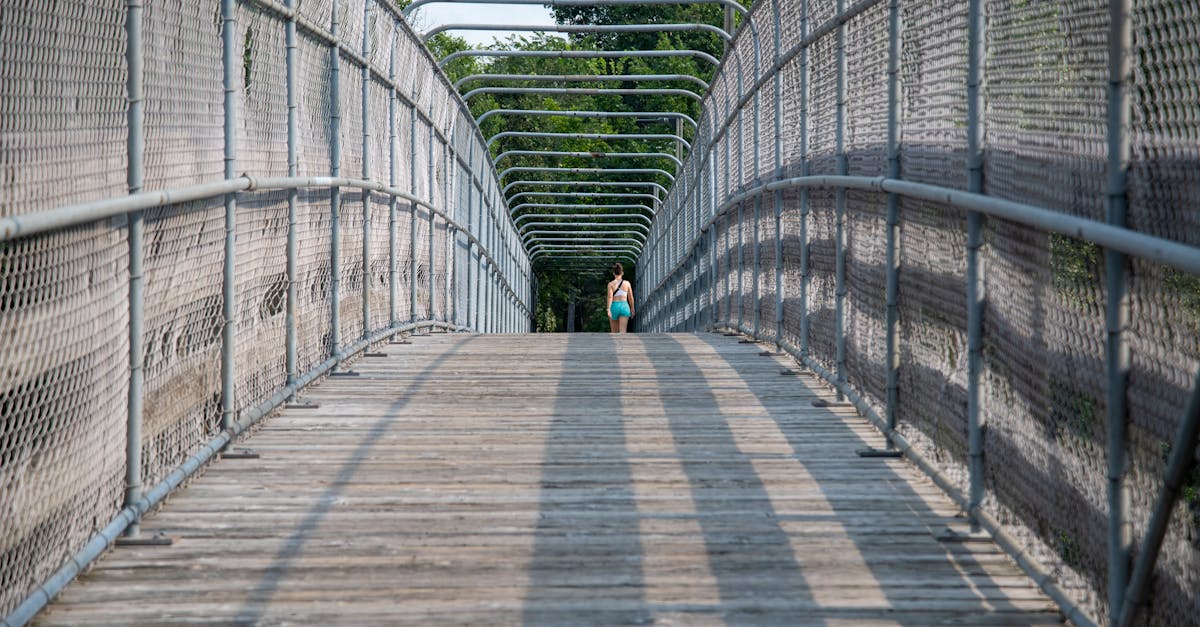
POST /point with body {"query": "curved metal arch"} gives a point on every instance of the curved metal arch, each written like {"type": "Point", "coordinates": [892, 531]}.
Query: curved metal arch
{"type": "Point", "coordinates": [582, 54]}
{"type": "Point", "coordinates": [542, 205]}
{"type": "Point", "coordinates": [601, 136]}
{"type": "Point", "coordinates": [624, 225]}
{"type": "Point", "coordinates": [572, 78]}
{"type": "Point", "coordinates": [584, 261]}
{"type": "Point", "coordinates": [530, 168]}
{"type": "Point", "coordinates": [543, 249]}
{"type": "Point", "coordinates": [584, 91]}
{"type": "Point", "coordinates": [588, 114]}
{"type": "Point", "coordinates": [581, 28]}
{"type": "Point", "coordinates": [650, 184]}
{"type": "Point", "coordinates": [577, 3]}
{"type": "Point", "coordinates": [597, 155]}
{"type": "Point", "coordinates": [570, 236]}
{"type": "Point", "coordinates": [580, 216]}
{"type": "Point", "coordinates": [585, 195]}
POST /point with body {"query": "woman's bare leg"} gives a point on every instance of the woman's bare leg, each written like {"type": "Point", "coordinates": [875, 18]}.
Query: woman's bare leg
{"type": "Point", "coordinates": [623, 323]}
{"type": "Point", "coordinates": [612, 324]}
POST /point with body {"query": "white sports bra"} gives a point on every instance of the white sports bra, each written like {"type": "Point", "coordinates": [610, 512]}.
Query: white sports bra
{"type": "Point", "coordinates": [619, 291]}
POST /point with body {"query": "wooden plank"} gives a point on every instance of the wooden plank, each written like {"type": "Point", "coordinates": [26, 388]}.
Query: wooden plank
{"type": "Point", "coordinates": [559, 479]}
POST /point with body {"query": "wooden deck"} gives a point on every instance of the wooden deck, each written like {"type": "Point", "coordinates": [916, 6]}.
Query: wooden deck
{"type": "Point", "coordinates": [555, 480]}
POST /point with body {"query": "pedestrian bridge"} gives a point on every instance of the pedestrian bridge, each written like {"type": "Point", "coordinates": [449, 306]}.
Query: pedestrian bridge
{"type": "Point", "coordinates": [918, 319]}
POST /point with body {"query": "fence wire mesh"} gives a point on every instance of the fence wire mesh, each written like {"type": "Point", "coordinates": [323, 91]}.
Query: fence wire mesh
{"type": "Point", "coordinates": [65, 312]}
{"type": "Point", "coordinates": [1044, 384]}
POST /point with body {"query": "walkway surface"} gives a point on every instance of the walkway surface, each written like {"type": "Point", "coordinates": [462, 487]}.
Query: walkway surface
{"type": "Point", "coordinates": [555, 480]}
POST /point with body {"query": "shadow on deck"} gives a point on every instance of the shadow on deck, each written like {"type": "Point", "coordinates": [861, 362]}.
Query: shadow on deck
{"type": "Point", "coordinates": [560, 479]}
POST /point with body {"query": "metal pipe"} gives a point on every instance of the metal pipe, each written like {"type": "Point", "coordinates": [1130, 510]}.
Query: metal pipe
{"type": "Point", "coordinates": [366, 173]}
{"type": "Point", "coordinates": [805, 274]}
{"type": "Point", "coordinates": [595, 154]}
{"type": "Point", "coordinates": [230, 60]}
{"type": "Point", "coordinates": [580, 28]}
{"type": "Point", "coordinates": [1117, 358]}
{"type": "Point", "coordinates": [892, 258]}
{"type": "Point", "coordinates": [335, 194]}
{"type": "Point", "coordinates": [601, 136]}
{"type": "Point", "coordinates": [432, 229]}
{"type": "Point", "coordinates": [393, 180]}
{"type": "Point", "coordinates": [581, 54]}
{"type": "Point", "coordinates": [536, 205]}
{"type": "Point", "coordinates": [506, 171]}
{"type": "Point", "coordinates": [648, 184]}
{"type": "Point", "coordinates": [642, 228]}
{"type": "Point", "coordinates": [468, 289]}
{"type": "Point", "coordinates": [587, 114]}
{"type": "Point", "coordinates": [585, 91]}
{"type": "Point", "coordinates": [730, 5]}
{"type": "Point", "coordinates": [135, 147]}
{"type": "Point", "coordinates": [582, 195]}
{"type": "Point", "coordinates": [590, 236]}
{"type": "Point", "coordinates": [839, 316]}
{"type": "Point", "coordinates": [778, 109]}
{"type": "Point", "coordinates": [1179, 466]}
{"type": "Point", "coordinates": [975, 285]}
{"type": "Point", "coordinates": [291, 341]}
{"type": "Point", "coordinates": [571, 78]}
{"type": "Point", "coordinates": [451, 312]}
{"type": "Point", "coordinates": [577, 216]}
{"type": "Point", "coordinates": [412, 217]}
{"type": "Point", "coordinates": [756, 261]}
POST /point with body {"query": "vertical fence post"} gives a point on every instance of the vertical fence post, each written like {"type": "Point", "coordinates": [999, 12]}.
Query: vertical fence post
{"type": "Point", "coordinates": [892, 260]}
{"type": "Point", "coordinates": [292, 366]}
{"type": "Point", "coordinates": [741, 181]}
{"type": "Point", "coordinates": [839, 316]}
{"type": "Point", "coordinates": [412, 215]}
{"type": "Point", "coordinates": [480, 266]}
{"type": "Point", "coordinates": [366, 170]}
{"type": "Point", "coordinates": [231, 64]}
{"type": "Point", "coordinates": [451, 177]}
{"type": "Point", "coordinates": [778, 175]}
{"type": "Point", "coordinates": [975, 286]}
{"type": "Point", "coordinates": [727, 318]}
{"type": "Point", "coordinates": [135, 177]}
{"type": "Point", "coordinates": [757, 164]}
{"type": "Point", "coordinates": [335, 193]}
{"type": "Point", "coordinates": [393, 287]}
{"type": "Point", "coordinates": [468, 301]}
{"type": "Point", "coordinates": [805, 279]}
{"type": "Point", "coordinates": [432, 224]}
{"type": "Point", "coordinates": [711, 234]}
{"type": "Point", "coordinates": [740, 258]}
{"type": "Point", "coordinates": [1117, 309]}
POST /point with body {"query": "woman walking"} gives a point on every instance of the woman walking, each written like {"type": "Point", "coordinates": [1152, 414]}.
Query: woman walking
{"type": "Point", "coordinates": [620, 300]}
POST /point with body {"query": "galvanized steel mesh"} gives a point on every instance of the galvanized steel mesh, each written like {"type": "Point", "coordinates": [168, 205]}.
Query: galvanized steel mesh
{"type": "Point", "coordinates": [1043, 387]}
{"type": "Point", "coordinates": [64, 294]}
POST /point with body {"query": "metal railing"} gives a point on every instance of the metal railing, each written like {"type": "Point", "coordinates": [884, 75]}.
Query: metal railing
{"type": "Point", "coordinates": [462, 267]}
{"type": "Point", "coordinates": [693, 272]}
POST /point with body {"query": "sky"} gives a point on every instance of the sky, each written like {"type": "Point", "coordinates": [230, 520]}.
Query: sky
{"type": "Point", "coordinates": [450, 13]}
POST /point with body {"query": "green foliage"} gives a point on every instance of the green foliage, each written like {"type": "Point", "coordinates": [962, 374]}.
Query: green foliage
{"type": "Point", "coordinates": [558, 288]}
{"type": "Point", "coordinates": [1074, 264]}
{"type": "Point", "coordinates": [1186, 287]}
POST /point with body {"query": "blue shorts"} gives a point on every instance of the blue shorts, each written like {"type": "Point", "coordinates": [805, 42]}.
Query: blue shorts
{"type": "Point", "coordinates": [620, 309]}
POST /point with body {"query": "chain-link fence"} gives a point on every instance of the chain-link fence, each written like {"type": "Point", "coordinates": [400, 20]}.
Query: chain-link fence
{"type": "Point", "coordinates": [315, 141]}
{"type": "Point", "coordinates": [912, 198]}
